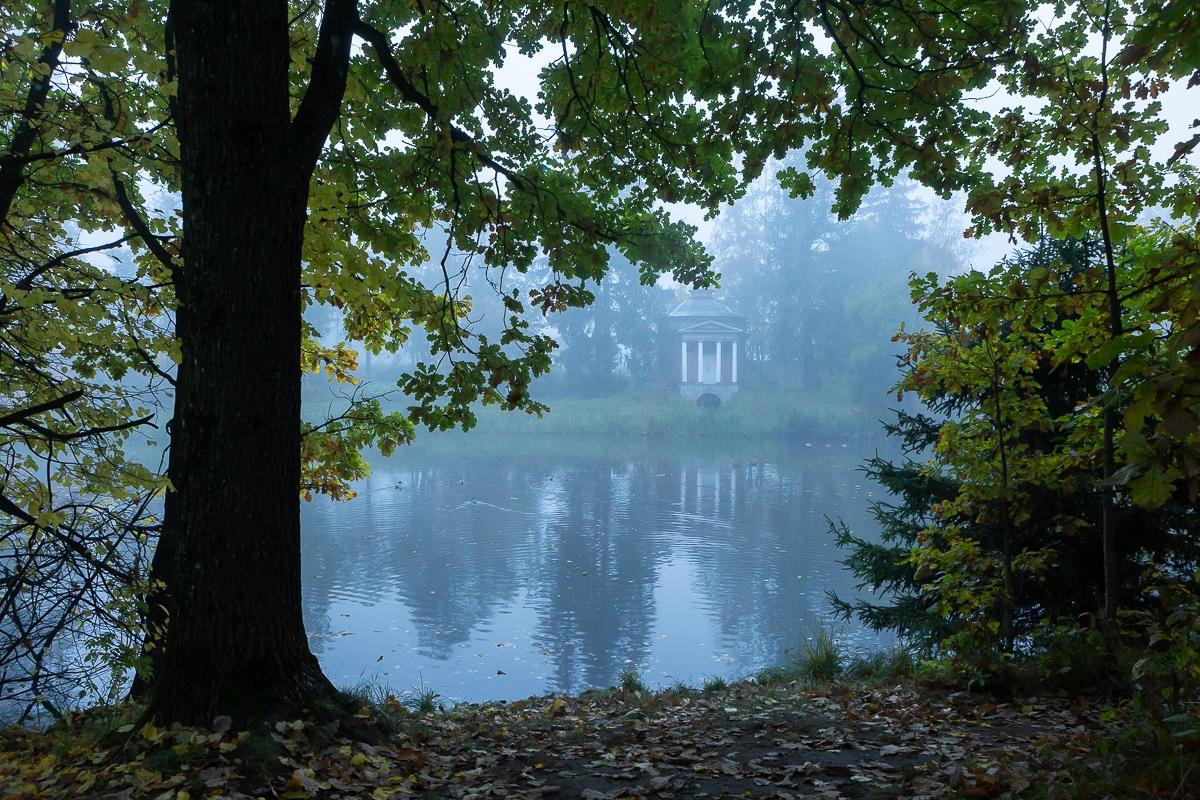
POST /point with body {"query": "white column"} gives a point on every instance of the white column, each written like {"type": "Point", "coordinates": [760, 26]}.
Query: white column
{"type": "Point", "coordinates": [734, 361]}
{"type": "Point", "coordinates": [700, 362]}
{"type": "Point", "coordinates": [719, 361]}
{"type": "Point", "coordinates": [734, 477]}
{"type": "Point", "coordinates": [683, 360]}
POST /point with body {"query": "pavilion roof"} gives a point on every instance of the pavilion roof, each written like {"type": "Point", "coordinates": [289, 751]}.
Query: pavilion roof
{"type": "Point", "coordinates": [702, 304]}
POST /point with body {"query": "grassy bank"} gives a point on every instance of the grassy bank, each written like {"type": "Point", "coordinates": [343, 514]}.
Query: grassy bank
{"type": "Point", "coordinates": [827, 414]}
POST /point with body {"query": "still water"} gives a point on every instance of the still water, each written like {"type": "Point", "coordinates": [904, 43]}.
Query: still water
{"type": "Point", "coordinates": [490, 567]}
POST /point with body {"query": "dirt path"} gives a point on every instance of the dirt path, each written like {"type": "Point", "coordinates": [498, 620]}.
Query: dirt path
{"type": "Point", "coordinates": [759, 743]}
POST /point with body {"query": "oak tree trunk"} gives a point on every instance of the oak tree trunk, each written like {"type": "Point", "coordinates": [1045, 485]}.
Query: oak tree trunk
{"type": "Point", "coordinates": [235, 641]}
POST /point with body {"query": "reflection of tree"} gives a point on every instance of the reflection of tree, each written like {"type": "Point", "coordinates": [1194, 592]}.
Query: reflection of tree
{"type": "Point", "coordinates": [596, 571]}
{"type": "Point", "coordinates": [446, 556]}
{"type": "Point", "coordinates": [764, 605]}
{"type": "Point", "coordinates": [581, 538]}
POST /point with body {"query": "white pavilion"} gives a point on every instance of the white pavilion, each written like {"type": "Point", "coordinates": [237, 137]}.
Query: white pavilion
{"type": "Point", "coordinates": [709, 335]}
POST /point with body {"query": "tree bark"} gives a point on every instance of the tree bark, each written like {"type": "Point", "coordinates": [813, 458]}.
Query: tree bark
{"type": "Point", "coordinates": [235, 642]}
{"type": "Point", "coordinates": [1108, 532]}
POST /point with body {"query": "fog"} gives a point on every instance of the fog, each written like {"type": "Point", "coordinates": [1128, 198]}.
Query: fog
{"type": "Point", "coordinates": [821, 299]}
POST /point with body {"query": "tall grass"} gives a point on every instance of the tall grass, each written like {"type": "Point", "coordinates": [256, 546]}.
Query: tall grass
{"type": "Point", "coordinates": [823, 658]}
{"type": "Point", "coordinates": [393, 706]}
{"type": "Point", "coordinates": [631, 682]}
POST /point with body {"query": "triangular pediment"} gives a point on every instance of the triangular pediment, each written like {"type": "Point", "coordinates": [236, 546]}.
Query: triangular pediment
{"type": "Point", "coordinates": [711, 326]}
{"type": "Point", "coordinates": [701, 304]}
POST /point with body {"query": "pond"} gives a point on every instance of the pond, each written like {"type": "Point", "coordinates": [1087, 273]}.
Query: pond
{"type": "Point", "coordinates": [495, 567]}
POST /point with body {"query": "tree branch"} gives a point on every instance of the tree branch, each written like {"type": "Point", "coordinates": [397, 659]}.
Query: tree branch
{"type": "Point", "coordinates": [152, 241]}
{"type": "Point", "coordinates": [379, 41]}
{"type": "Point", "coordinates": [327, 83]}
{"type": "Point", "coordinates": [59, 436]}
{"type": "Point", "coordinates": [50, 405]}
{"type": "Point", "coordinates": [26, 282]}
{"type": "Point", "coordinates": [13, 162]}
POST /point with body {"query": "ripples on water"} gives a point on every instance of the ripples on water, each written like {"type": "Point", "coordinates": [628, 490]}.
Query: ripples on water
{"type": "Point", "coordinates": [486, 567]}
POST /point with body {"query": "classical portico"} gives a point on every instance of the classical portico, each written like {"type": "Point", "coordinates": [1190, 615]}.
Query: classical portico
{"type": "Point", "coordinates": [709, 337]}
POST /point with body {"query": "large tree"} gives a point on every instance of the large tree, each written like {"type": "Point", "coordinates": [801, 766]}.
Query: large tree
{"type": "Point", "coordinates": [990, 538]}
{"type": "Point", "coordinates": [234, 639]}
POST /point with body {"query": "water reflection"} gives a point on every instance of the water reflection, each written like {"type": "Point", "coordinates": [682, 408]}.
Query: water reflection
{"type": "Point", "coordinates": [500, 568]}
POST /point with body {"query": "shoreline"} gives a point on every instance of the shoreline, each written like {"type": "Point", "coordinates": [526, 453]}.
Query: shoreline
{"type": "Point", "coordinates": [779, 736]}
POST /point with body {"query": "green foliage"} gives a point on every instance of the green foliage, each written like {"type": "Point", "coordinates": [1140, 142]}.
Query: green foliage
{"type": "Point", "coordinates": [1064, 428]}
{"type": "Point", "coordinates": [418, 185]}
{"type": "Point", "coordinates": [392, 708]}
{"type": "Point", "coordinates": [822, 656]}
{"type": "Point", "coordinates": [1167, 678]}
{"type": "Point", "coordinates": [994, 535]}
{"type": "Point", "coordinates": [424, 700]}
{"type": "Point", "coordinates": [894, 664]}
{"type": "Point", "coordinates": [883, 565]}
{"type": "Point", "coordinates": [1077, 656]}
{"type": "Point", "coordinates": [823, 659]}
{"type": "Point", "coordinates": [678, 690]}
{"type": "Point", "coordinates": [778, 674]}
{"type": "Point", "coordinates": [631, 682]}
{"type": "Point", "coordinates": [84, 349]}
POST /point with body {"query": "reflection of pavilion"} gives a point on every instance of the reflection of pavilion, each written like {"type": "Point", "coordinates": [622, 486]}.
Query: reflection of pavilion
{"type": "Point", "coordinates": [709, 334]}
{"type": "Point", "coordinates": [707, 489]}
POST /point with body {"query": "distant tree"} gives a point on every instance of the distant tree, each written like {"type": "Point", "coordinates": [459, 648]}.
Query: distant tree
{"type": "Point", "coordinates": [773, 257]}
{"type": "Point", "coordinates": [614, 337]}
{"type": "Point", "coordinates": [823, 295]}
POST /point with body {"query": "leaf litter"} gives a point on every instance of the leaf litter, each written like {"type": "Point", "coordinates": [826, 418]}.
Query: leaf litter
{"type": "Point", "coordinates": [747, 741]}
